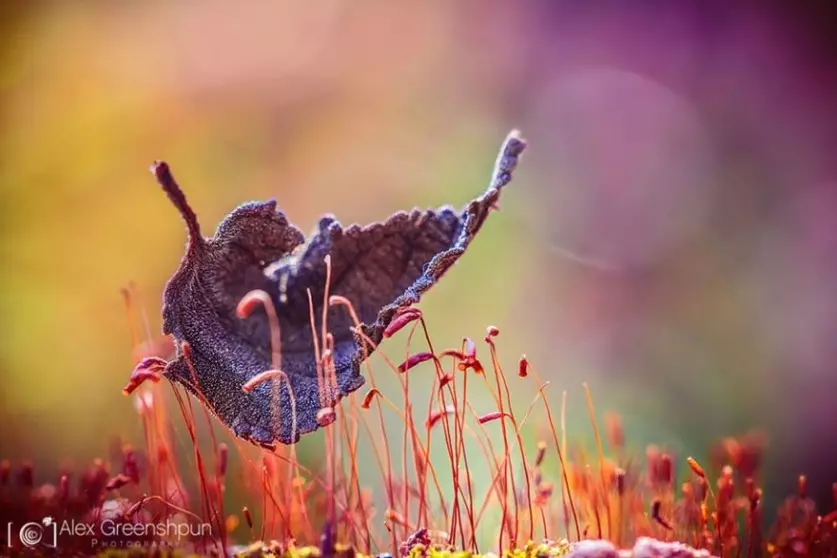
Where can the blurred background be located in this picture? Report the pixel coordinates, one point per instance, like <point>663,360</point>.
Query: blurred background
<point>670,237</point>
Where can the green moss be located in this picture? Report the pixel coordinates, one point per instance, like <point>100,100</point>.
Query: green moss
<point>140,552</point>
<point>530,550</point>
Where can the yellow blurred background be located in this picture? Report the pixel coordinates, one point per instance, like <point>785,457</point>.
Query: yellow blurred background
<point>669,236</point>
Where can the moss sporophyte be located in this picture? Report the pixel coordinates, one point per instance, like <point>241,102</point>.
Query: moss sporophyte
<point>270,334</point>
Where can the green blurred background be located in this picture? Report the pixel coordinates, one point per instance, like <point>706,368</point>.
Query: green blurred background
<point>669,238</point>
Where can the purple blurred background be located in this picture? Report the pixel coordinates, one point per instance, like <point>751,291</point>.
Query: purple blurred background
<point>670,238</point>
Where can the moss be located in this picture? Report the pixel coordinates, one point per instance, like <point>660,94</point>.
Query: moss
<point>602,502</point>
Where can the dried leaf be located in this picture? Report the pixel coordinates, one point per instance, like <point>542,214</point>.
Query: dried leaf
<point>381,268</point>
